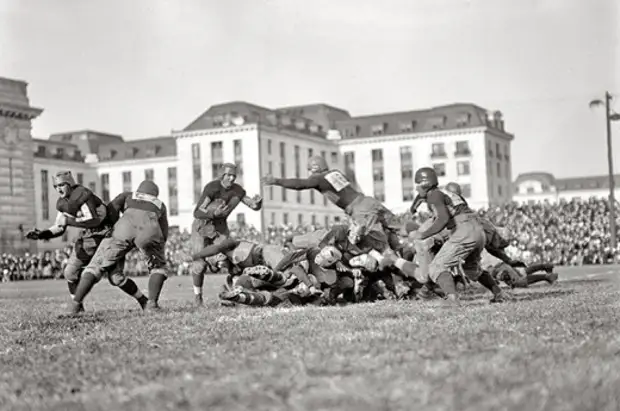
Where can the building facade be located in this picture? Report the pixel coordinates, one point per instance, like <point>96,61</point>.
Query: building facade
<point>544,187</point>
<point>17,210</point>
<point>380,154</point>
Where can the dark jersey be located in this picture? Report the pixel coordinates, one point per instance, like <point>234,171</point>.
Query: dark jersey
<point>332,184</point>
<point>144,202</point>
<point>445,205</point>
<point>214,191</point>
<point>338,236</point>
<point>88,209</point>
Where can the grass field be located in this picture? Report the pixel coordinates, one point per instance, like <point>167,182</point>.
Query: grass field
<point>555,348</point>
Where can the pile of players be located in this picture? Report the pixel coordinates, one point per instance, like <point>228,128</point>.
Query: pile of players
<point>374,257</point>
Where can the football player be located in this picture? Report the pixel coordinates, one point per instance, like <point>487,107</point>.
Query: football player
<point>210,222</point>
<point>143,225</point>
<point>366,211</point>
<point>79,207</point>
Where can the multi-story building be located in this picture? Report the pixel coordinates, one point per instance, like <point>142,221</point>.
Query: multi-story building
<point>544,187</point>
<point>380,153</point>
<point>17,210</point>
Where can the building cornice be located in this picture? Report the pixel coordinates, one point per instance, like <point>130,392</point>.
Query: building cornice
<point>19,111</point>
<point>133,161</point>
<point>213,131</point>
<point>44,162</point>
<point>422,136</point>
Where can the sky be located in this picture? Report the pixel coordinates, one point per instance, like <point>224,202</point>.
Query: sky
<point>142,68</point>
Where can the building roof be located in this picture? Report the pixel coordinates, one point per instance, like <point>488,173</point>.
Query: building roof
<point>452,116</point>
<point>569,183</point>
<point>541,176</point>
<point>48,149</point>
<point>139,149</point>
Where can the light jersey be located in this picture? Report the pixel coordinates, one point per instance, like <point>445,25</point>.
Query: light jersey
<point>242,256</point>
<point>337,188</point>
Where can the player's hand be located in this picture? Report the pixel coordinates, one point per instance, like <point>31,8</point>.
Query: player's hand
<point>257,198</point>
<point>268,180</point>
<point>518,264</point>
<point>33,234</point>
<point>221,211</point>
<point>341,268</point>
<point>314,291</point>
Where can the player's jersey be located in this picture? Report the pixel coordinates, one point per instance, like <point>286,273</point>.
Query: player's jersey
<point>454,203</point>
<point>244,255</point>
<point>84,205</point>
<point>494,240</point>
<point>139,201</point>
<point>339,237</point>
<point>215,190</point>
<point>336,187</point>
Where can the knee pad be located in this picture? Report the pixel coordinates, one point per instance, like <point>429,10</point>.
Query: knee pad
<point>197,267</point>
<point>116,278</point>
<point>72,271</point>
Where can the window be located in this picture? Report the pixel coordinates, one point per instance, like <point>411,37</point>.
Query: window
<point>462,168</point>
<point>273,218</point>
<point>349,165</point>
<point>238,148</point>
<point>377,174</point>
<point>93,187</point>
<point>269,147</point>
<point>196,171</point>
<point>462,148</point>
<point>498,151</point>
<point>300,219</point>
<point>126,180</point>
<point>45,195</point>
<point>270,172</point>
<point>283,169</point>
<point>379,129</point>
<point>326,221</point>
<point>334,159</point>
<point>285,218</point>
<point>313,219</point>
<point>499,190</point>
<point>173,194</point>
<point>312,199</point>
<point>80,178</point>
<point>217,158</point>
<point>407,127</point>
<point>241,219</point>
<point>105,187</point>
<point>440,169</point>
<point>297,164</point>
<point>406,173</point>
<point>438,150</point>
<point>499,170</point>
<point>149,174</point>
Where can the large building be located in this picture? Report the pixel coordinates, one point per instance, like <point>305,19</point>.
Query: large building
<point>538,187</point>
<point>17,211</point>
<point>380,153</point>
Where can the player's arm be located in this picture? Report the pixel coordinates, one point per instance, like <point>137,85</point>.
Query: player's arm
<point>163,222</point>
<point>337,233</point>
<point>298,183</point>
<point>436,198</point>
<point>56,230</point>
<point>200,212</point>
<point>120,201</point>
<point>417,202</point>
<point>255,203</point>
<point>92,215</point>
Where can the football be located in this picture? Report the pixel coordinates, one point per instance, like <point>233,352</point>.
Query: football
<point>215,204</point>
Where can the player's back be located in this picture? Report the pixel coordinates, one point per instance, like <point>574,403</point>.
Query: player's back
<point>336,187</point>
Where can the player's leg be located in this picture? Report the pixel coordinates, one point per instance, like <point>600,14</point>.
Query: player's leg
<point>72,271</point>
<point>152,245</point>
<point>197,268</point>
<point>467,238</point>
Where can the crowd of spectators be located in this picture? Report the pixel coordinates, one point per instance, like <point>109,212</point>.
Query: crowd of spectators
<point>567,233</point>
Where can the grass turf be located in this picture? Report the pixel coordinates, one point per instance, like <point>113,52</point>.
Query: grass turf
<point>555,348</point>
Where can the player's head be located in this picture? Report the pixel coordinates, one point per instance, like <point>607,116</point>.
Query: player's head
<point>328,256</point>
<point>317,164</point>
<point>148,187</point>
<point>228,174</point>
<point>356,231</point>
<point>425,179</point>
<point>64,183</point>
<point>454,188</point>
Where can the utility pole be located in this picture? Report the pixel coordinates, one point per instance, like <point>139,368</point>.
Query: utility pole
<point>609,117</point>
<point>610,165</point>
